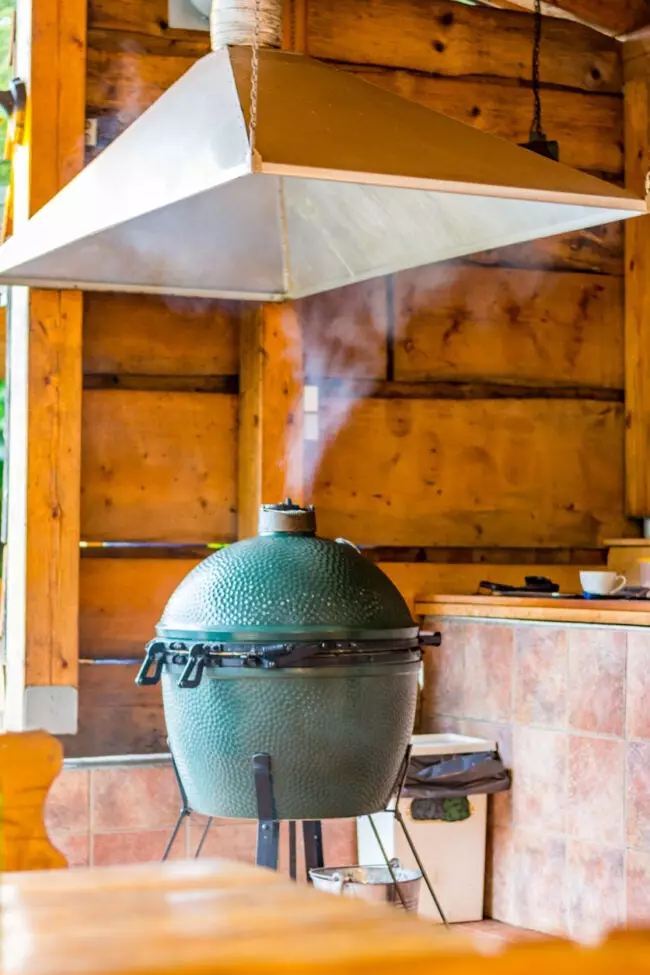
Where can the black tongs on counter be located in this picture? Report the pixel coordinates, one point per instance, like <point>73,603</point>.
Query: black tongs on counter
<point>535,585</point>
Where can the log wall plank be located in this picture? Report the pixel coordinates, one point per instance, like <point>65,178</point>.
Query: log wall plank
<point>159,336</point>
<point>116,717</point>
<point>454,322</point>
<point>440,38</point>
<point>467,473</point>
<point>121,600</point>
<point>345,332</point>
<point>158,466</point>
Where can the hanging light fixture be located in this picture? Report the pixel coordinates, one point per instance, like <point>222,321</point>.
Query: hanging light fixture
<point>538,142</point>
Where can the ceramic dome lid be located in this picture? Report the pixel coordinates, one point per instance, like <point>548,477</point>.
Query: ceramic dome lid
<point>287,585</point>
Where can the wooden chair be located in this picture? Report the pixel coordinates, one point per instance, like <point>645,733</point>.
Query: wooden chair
<point>29,763</point>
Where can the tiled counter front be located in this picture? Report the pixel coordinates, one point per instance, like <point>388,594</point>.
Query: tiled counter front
<point>120,813</point>
<point>569,846</point>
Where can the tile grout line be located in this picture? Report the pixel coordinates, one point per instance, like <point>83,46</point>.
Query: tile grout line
<point>625,779</point>
<point>566,911</point>
<point>91,818</point>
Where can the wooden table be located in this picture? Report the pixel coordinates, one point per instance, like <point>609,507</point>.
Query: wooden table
<point>217,917</point>
<point>206,916</point>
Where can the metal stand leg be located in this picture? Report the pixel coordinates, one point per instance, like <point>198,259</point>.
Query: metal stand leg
<point>185,811</point>
<point>204,837</point>
<point>389,863</point>
<point>292,851</point>
<point>425,876</point>
<point>312,832</point>
<point>268,830</point>
<point>400,819</point>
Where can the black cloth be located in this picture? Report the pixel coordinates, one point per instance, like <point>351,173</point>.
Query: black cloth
<point>447,776</point>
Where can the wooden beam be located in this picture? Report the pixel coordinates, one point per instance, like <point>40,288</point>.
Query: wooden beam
<point>271,388</point>
<point>439,38</point>
<point>614,17</point>
<point>44,357</point>
<point>637,303</point>
<point>295,26</point>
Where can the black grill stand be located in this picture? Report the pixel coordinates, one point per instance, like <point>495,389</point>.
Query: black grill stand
<point>268,829</point>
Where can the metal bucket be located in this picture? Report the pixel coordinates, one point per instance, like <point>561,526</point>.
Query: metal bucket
<point>373,884</point>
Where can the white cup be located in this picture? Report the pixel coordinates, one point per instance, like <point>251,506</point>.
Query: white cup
<point>602,583</point>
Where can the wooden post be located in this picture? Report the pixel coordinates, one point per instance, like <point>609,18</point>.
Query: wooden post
<point>637,295</point>
<point>44,367</point>
<point>295,26</point>
<point>271,387</point>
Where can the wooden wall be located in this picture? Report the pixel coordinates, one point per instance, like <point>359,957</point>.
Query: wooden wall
<point>472,414</point>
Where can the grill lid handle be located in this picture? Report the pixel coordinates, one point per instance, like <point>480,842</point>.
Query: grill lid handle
<point>155,660</point>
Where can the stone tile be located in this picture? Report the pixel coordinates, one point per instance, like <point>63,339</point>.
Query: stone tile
<point>638,795</point>
<point>445,684</point>
<point>596,790</point>
<point>638,888</point>
<point>597,661</point>
<point>75,847</point>
<point>539,887</point>
<point>539,776</point>
<point>540,676</point>
<point>139,846</point>
<point>638,684</point>
<point>489,666</point>
<point>500,871</point>
<point>137,798</point>
<point>340,841</point>
<point>595,889</point>
<point>235,841</point>
<point>68,802</point>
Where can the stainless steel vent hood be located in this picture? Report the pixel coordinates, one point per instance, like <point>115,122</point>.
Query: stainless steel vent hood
<point>345,182</point>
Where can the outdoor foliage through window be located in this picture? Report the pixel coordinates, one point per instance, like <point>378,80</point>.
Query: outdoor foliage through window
<point>6,15</point>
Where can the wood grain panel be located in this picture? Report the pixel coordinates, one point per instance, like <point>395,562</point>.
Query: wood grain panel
<point>29,764</point>
<point>610,16</point>
<point>596,250</point>
<point>123,84</point>
<point>484,472</point>
<point>158,466</point>
<point>420,581</point>
<point>441,38</point>
<point>121,600</point>
<point>510,325</point>
<point>116,717</point>
<point>345,332</point>
<point>589,127</point>
<point>148,17</point>
<point>151,335</point>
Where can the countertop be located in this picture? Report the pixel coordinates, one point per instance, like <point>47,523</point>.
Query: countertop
<point>615,612</point>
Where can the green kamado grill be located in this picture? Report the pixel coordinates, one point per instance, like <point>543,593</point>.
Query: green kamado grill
<point>295,647</point>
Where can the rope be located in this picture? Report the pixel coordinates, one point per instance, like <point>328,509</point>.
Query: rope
<point>238,21</point>
<point>255,73</point>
